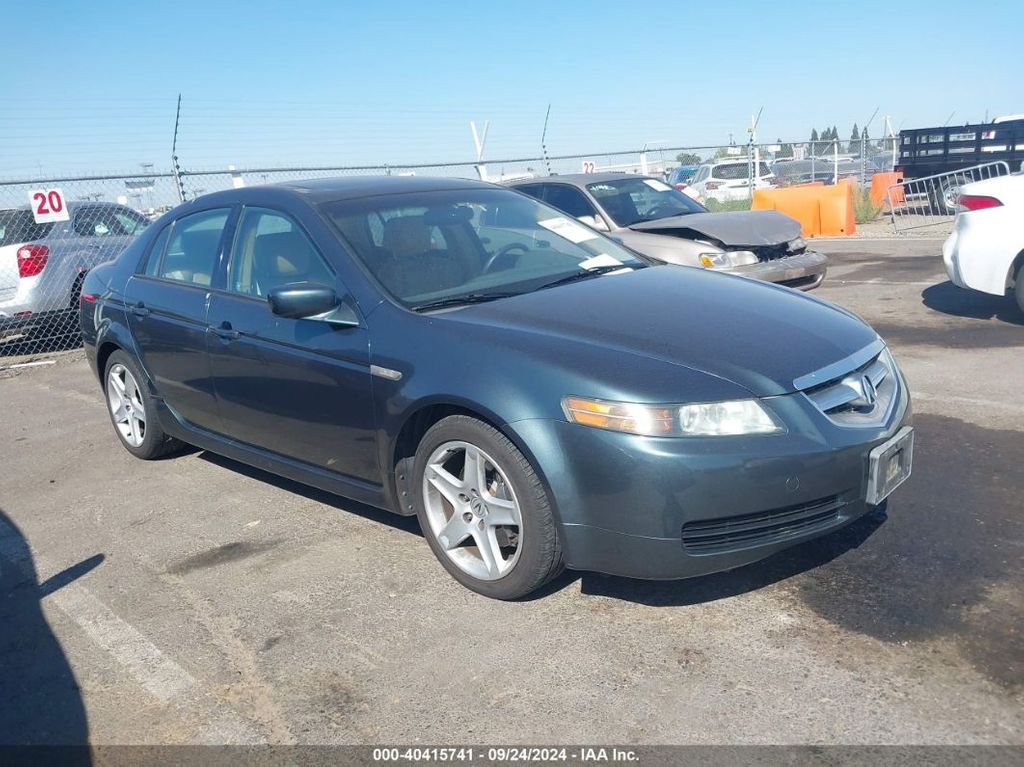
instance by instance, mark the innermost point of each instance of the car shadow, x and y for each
(947, 298)
(42, 701)
(398, 522)
(691, 591)
(709, 588)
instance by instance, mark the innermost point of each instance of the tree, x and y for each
(785, 150)
(854, 146)
(688, 158)
(814, 140)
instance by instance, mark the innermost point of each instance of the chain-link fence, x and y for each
(53, 230)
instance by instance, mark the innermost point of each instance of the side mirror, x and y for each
(595, 222)
(311, 301)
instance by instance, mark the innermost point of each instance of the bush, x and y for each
(716, 206)
(864, 209)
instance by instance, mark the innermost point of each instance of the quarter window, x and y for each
(156, 251)
(191, 255)
(270, 251)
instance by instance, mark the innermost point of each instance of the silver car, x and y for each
(42, 266)
(650, 217)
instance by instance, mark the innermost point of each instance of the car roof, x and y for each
(320, 190)
(577, 179)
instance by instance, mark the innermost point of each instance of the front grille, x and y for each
(762, 528)
(863, 396)
(774, 252)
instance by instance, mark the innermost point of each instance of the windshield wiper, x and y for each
(588, 273)
(463, 300)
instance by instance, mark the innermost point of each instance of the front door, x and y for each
(296, 387)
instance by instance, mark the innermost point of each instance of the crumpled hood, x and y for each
(756, 335)
(751, 228)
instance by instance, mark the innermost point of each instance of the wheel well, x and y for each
(102, 355)
(1015, 268)
(409, 439)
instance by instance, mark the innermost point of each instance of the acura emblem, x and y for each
(867, 389)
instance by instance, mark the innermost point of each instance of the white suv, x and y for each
(728, 179)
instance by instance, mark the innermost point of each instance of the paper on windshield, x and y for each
(657, 185)
(570, 230)
(603, 259)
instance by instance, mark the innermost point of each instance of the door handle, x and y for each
(140, 310)
(225, 331)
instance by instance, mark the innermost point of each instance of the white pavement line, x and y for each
(34, 363)
(883, 282)
(143, 660)
(157, 673)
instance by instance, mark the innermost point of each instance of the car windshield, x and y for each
(630, 200)
(469, 245)
(18, 226)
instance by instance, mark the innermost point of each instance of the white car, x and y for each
(985, 250)
(728, 179)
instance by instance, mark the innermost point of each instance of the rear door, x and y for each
(296, 387)
(167, 308)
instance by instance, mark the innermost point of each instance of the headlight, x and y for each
(727, 259)
(702, 419)
(798, 243)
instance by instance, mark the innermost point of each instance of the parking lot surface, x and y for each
(195, 600)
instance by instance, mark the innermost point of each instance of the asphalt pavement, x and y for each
(195, 600)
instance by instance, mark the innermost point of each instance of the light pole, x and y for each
(147, 169)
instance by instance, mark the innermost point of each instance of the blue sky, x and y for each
(92, 86)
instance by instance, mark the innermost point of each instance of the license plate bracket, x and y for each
(889, 465)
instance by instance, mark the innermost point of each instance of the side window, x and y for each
(271, 250)
(130, 222)
(191, 255)
(156, 251)
(534, 190)
(106, 222)
(568, 200)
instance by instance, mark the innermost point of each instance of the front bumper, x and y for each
(628, 505)
(804, 271)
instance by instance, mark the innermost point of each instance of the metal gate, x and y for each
(932, 200)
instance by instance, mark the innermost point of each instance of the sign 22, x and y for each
(48, 205)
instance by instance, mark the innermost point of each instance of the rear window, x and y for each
(738, 170)
(18, 226)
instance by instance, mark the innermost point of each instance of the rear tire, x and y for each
(1018, 290)
(491, 528)
(132, 409)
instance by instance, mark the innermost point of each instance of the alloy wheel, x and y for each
(472, 510)
(126, 408)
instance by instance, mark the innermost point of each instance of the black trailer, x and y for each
(931, 151)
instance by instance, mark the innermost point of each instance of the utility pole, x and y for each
(480, 141)
(892, 137)
(753, 153)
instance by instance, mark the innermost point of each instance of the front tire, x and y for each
(484, 511)
(132, 409)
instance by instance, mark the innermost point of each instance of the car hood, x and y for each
(740, 228)
(754, 334)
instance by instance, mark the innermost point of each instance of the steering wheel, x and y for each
(661, 211)
(507, 253)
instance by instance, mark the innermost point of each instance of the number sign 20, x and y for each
(48, 205)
